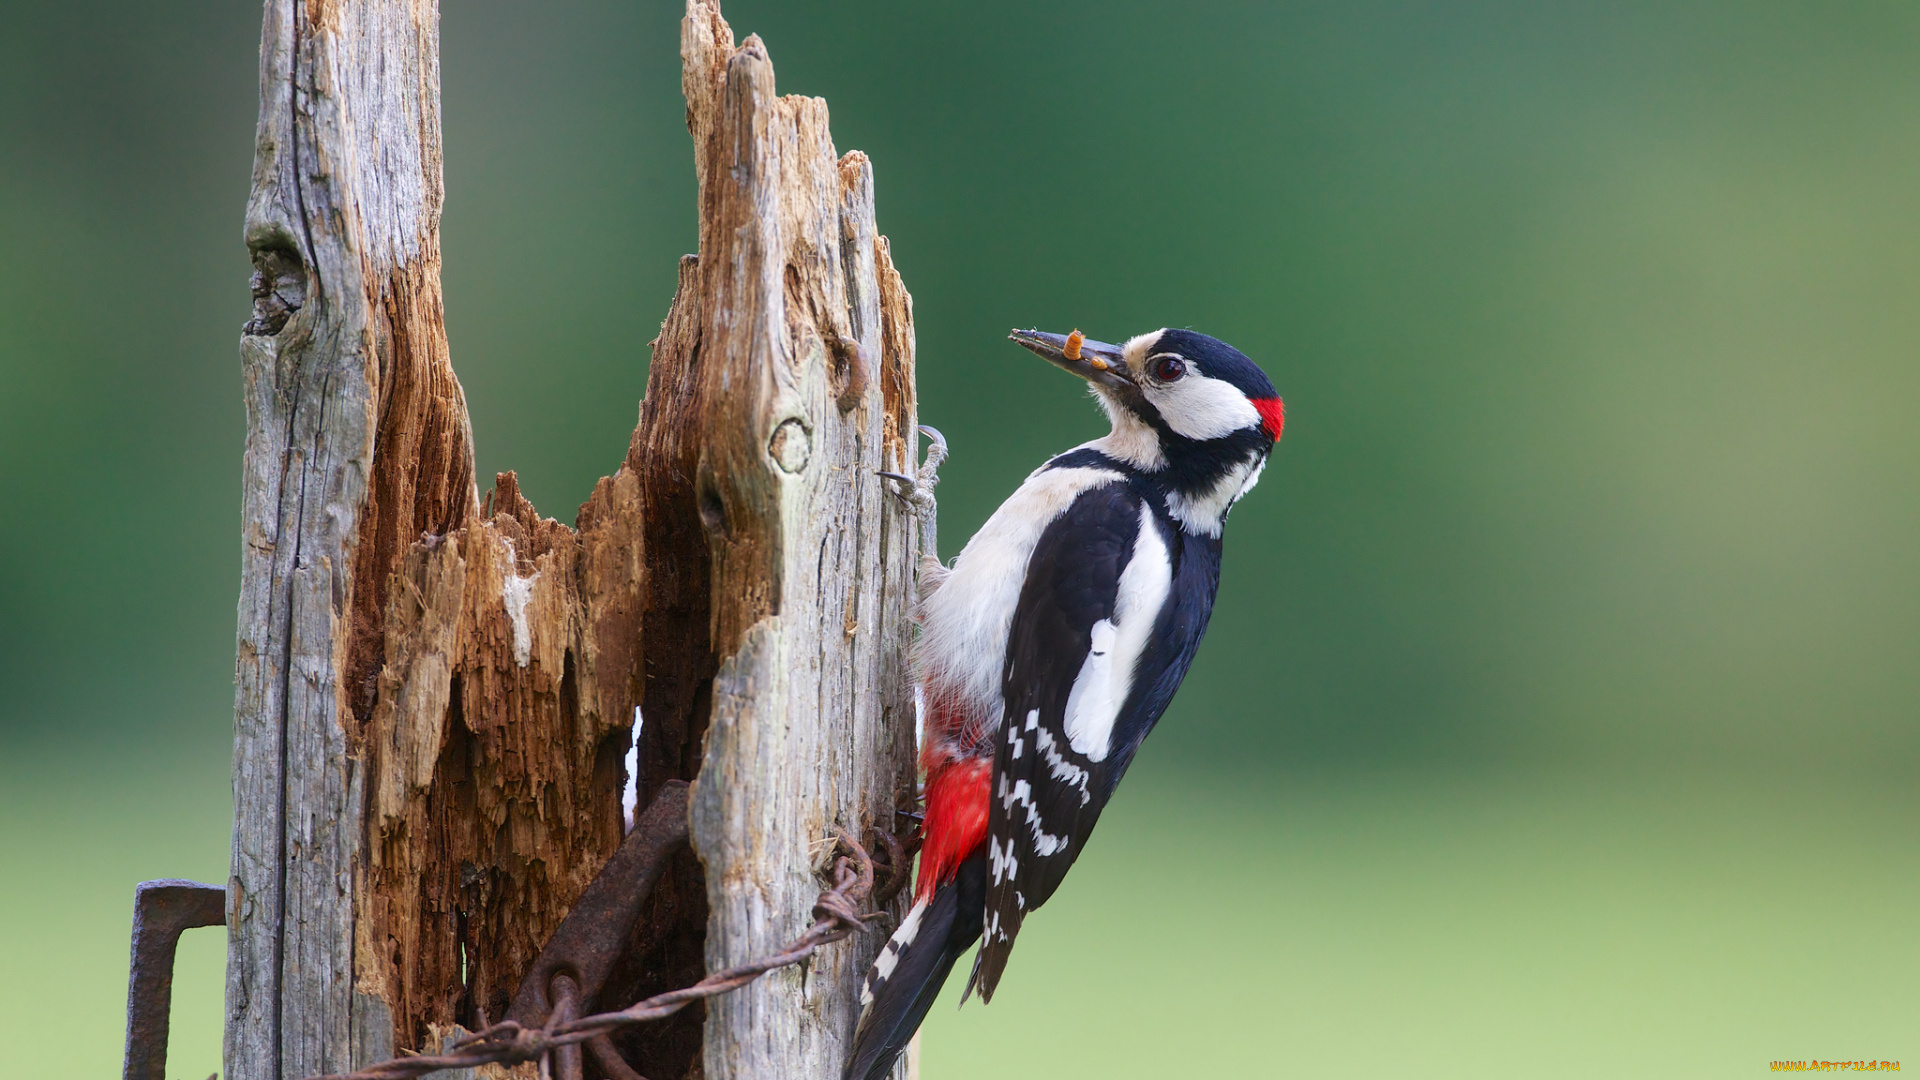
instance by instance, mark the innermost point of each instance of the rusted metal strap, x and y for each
(591, 937)
(162, 911)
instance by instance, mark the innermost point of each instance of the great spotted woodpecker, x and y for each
(1054, 643)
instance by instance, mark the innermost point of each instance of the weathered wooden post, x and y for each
(433, 696)
(812, 713)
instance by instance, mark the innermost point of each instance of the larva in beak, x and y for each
(1071, 350)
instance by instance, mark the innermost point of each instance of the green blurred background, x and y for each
(1559, 713)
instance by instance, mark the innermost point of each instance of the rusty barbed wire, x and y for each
(836, 915)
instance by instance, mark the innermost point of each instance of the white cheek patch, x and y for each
(1201, 408)
(1106, 676)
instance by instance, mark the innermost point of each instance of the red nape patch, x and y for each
(956, 822)
(1273, 415)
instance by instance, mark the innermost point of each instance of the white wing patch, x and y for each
(1106, 676)
(1092, 704)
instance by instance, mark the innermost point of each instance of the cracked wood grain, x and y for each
(357, 440)
(425, 772)
(811, 709)
(433, 695)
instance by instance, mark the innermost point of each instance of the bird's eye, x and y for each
(1169, 368)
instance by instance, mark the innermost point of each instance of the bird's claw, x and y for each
(917, 490)
(937, 451)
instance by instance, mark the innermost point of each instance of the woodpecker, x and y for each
(1054, 643)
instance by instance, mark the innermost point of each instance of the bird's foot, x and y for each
(917, 490)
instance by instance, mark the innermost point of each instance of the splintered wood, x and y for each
(357, 443)
(431, 703)
(803, 387)
(500, 722)
(434, 695)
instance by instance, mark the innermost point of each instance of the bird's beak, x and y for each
(1095, 361)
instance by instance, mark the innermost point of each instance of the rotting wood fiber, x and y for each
(433, 696)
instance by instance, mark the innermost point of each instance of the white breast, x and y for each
(964, 625)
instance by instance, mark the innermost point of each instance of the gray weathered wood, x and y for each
(427, 694)
(346, 351)
(806, 388)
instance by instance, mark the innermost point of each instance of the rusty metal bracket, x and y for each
(162, 911)
(568, 974)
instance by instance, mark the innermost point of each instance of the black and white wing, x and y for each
(1105, 627)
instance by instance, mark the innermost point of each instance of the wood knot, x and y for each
(712, 507)
(791, 447)
(279, 288)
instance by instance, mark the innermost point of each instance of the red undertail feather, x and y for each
(1273, 414)
(956, 821)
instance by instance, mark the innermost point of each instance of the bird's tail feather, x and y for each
(907, 975)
